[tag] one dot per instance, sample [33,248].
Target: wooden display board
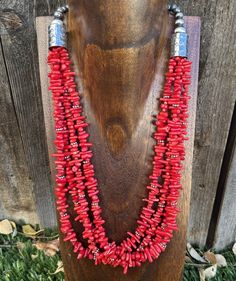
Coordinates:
[130,165]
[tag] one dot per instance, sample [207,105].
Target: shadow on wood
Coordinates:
[122,56]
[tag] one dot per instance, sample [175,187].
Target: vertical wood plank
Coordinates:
[42,24]
[215,106]
[223,225]
[16,188]
[226,225]
[20,53]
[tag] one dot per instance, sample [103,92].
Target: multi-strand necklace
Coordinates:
[75,172]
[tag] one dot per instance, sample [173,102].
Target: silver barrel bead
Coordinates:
[57,34]
[179,44]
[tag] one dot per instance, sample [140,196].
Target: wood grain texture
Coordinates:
[46,96]
[116,47]
[216,101]
[225,231]
[16,188]
[20,54]
[122,175]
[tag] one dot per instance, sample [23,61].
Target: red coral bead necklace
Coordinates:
[75,171]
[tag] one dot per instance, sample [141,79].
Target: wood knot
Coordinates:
[10,21]
[116,138]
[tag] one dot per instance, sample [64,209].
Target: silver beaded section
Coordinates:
[179,40]
[57,29]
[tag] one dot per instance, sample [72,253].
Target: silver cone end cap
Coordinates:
[179,44]
[57,34]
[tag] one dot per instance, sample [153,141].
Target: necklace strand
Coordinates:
[76,176]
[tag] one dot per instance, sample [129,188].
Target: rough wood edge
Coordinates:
[225,232]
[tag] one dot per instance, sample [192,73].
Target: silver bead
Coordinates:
[177,10]
[179,15]
[60,10]
[58,15]
[65,8]
[180,30]
[173,7]
[179,44]
[57,38]
[179,22]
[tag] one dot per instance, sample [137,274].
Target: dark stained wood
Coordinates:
[21,61]
[216,101]
[122,167]
[116,47]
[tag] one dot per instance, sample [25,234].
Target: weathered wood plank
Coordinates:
[16,188]
[225,231]
[46,95]
[215,106]
[20,53]
[161,269]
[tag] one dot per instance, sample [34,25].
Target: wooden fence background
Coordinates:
[24,168]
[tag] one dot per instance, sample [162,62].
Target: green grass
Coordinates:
[30,264]
[27,264]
